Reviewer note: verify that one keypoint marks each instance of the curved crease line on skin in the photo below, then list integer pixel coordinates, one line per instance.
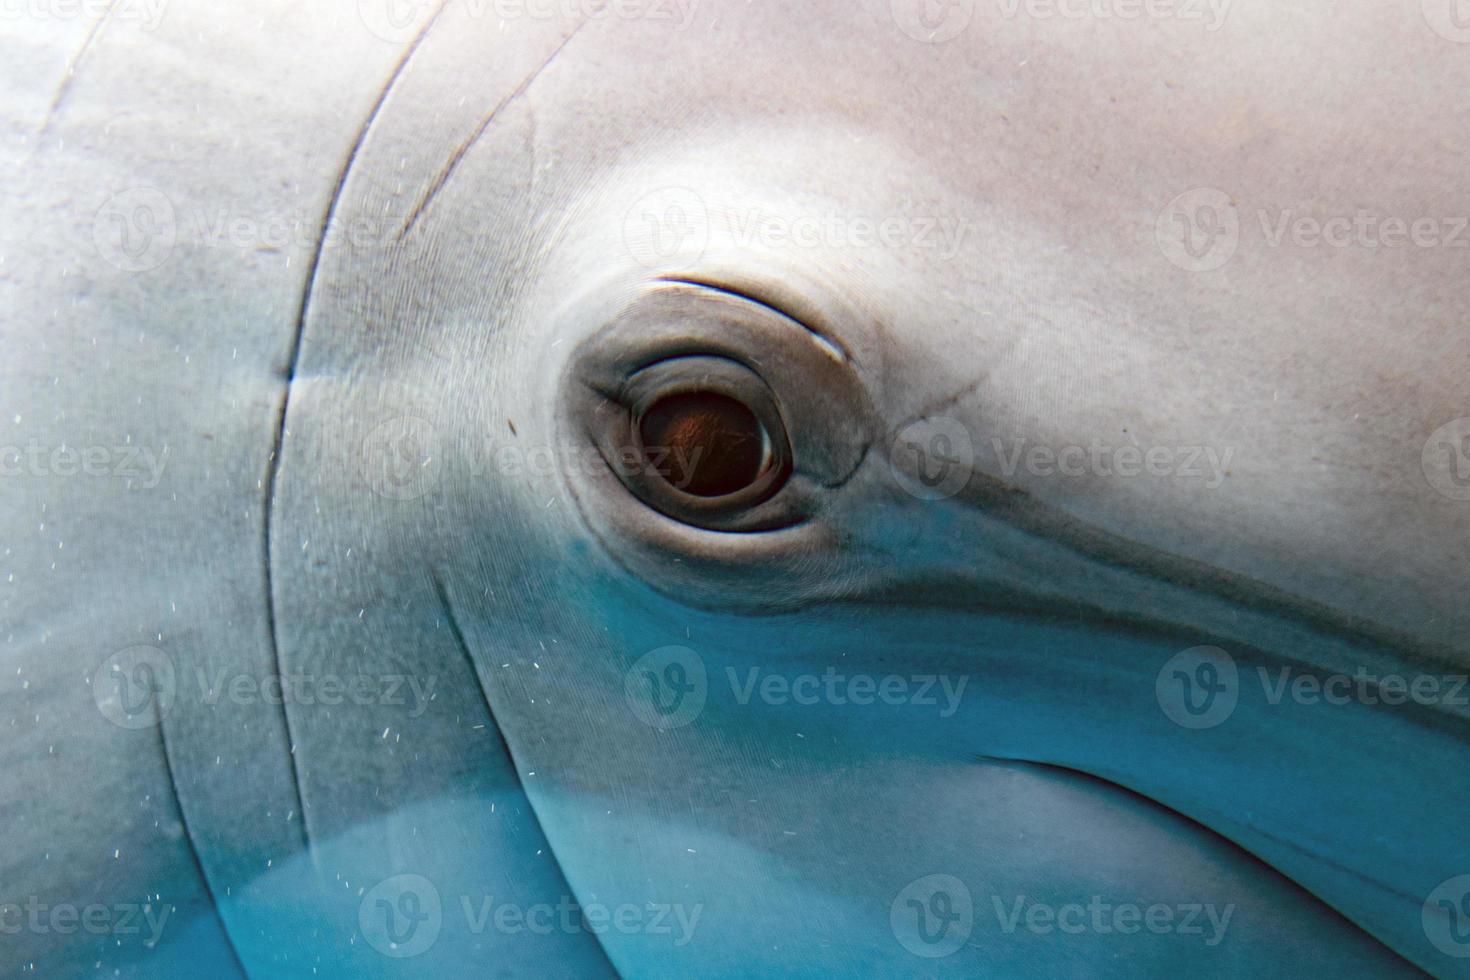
(273, 465)
(64, 89)
(515, 768)
(1062, 771)
(825, 339)
(173, 786)
(1023, 511)
(446, 171)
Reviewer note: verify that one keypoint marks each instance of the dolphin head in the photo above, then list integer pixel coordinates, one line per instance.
(756, 518)
(856, 594)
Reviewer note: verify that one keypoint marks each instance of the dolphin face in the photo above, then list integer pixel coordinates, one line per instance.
(763, 519)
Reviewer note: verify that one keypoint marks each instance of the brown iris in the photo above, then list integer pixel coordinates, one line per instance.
(703, 443)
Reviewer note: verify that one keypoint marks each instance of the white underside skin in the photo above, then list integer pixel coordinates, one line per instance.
(483, 174)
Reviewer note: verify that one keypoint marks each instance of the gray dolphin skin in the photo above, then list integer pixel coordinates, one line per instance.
(734, 488)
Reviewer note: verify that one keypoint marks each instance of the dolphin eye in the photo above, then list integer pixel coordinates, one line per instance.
(706, 409)
(705, 443)
(698, 437)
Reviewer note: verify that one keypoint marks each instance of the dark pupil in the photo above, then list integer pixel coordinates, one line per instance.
(705, 444)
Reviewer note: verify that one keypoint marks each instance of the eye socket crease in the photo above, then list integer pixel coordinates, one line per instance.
(823, 339)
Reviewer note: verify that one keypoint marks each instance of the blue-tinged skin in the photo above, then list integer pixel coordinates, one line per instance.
(355, 304)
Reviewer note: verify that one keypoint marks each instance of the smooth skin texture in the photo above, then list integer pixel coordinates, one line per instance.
(373, 460)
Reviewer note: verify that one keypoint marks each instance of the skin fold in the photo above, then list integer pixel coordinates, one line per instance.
(342, 647)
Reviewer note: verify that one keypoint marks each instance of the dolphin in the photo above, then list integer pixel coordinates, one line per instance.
(668, 489)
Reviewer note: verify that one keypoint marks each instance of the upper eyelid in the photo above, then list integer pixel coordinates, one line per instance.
(822, 337)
